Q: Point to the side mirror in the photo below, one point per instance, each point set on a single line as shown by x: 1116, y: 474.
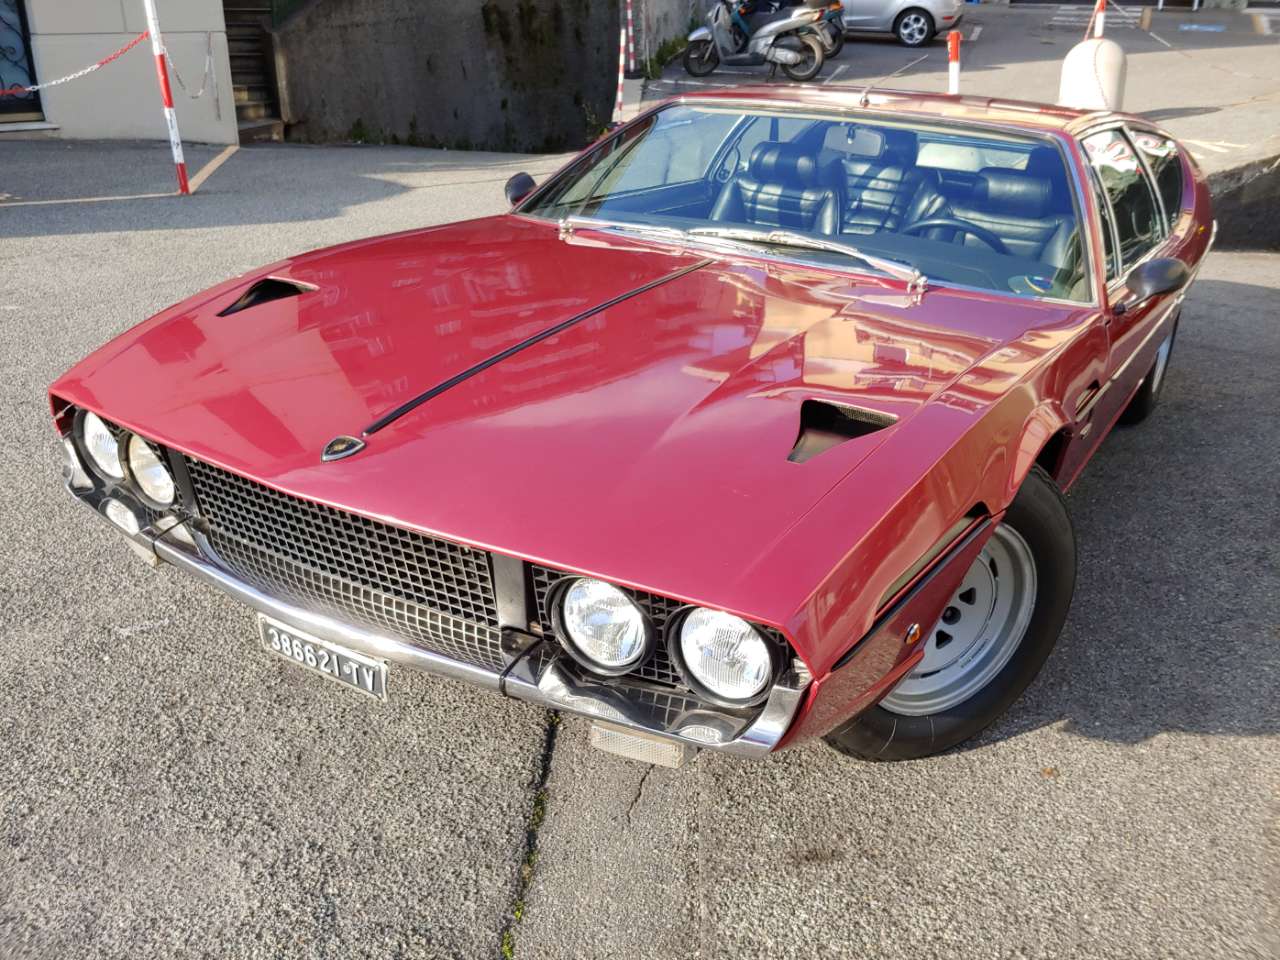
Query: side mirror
x: 1154, y: 278
x: 519, y: 187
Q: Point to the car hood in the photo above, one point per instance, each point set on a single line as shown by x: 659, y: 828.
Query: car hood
x: 648, y: 442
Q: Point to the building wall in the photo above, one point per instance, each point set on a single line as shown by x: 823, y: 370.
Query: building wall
x: 122, y: 100
x: 521, y: 75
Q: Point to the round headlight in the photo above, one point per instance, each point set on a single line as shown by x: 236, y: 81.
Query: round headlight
x: 605, y: 629
x: 150, y: 473
x: 100, y: 443
x: 725, y: 654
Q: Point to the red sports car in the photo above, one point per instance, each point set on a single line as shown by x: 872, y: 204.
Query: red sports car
x: 750, y: 425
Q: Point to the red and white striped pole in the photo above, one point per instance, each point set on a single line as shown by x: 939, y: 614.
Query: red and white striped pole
x: 622, y: 67
x: 953, y: 62
x: 631, y: 41
x: 166, y: 95
x: 1099, y: 17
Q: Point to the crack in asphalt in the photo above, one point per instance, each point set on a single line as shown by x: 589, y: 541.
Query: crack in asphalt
x: 639, y: 790
x: 537, y: 813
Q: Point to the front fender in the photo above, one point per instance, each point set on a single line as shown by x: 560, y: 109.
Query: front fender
x: 702, y: 33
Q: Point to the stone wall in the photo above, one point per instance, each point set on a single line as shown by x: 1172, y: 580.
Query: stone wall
x: 519, y: 75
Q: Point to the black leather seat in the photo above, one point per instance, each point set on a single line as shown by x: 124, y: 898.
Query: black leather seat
x: 883, y: 188
x: 1018, y: 208
x: 784, y: 186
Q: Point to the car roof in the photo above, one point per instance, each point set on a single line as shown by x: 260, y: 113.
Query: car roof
x: 917, y: 103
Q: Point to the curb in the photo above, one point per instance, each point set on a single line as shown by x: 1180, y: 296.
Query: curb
x: 1246, y: 202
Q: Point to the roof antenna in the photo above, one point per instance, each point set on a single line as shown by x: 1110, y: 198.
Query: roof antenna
x: 866, y: 91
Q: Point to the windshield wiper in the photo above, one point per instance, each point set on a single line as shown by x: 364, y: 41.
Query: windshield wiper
x: 916, y: 281
x: 567, y: 225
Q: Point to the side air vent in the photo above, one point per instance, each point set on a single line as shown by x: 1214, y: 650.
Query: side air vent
x: 824, y: 425
x: 264, y: 291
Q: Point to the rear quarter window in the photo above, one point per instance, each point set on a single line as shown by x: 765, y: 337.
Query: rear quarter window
x: 1165, y: 162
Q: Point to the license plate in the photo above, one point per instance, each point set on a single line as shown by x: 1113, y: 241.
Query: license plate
x: 355, y: 670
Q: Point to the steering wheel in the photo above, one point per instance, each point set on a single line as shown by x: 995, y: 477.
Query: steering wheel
x: 972, y: 229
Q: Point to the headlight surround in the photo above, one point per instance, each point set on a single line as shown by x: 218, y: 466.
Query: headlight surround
x: 100, y: 444
x: 723, y: 657
x: 600, y: 626
x: 151, y: 474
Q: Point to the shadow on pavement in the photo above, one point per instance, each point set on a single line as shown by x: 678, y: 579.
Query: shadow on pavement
x: 1175, y: 624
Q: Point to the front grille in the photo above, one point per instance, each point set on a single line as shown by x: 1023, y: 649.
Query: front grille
x: 431, y: 592
x: 658, y: 668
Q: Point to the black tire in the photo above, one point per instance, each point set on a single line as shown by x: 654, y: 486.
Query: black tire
x: 1039, y: 514
x: 812, y: 61
x: 906, y: 27
x: 701, y: 58
x: 837, y: 45
x: 1148, y: 395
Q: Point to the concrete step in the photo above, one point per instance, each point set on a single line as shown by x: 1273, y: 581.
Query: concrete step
x: 252, y: 93
x: 262, y: 131
x: 255, y: 110
x: 246, y: 46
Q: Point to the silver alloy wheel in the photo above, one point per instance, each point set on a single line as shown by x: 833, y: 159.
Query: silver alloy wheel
x: 979, y: 631
x: 913, y: 29
x: 1162, y: 363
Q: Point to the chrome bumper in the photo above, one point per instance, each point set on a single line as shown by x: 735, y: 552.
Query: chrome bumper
x: 534, y: 675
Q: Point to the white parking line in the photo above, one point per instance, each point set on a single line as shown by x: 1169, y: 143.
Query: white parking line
x: 835, y: 73
x: 974, y: 34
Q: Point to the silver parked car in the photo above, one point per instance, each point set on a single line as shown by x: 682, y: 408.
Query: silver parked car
x: 913, y: 22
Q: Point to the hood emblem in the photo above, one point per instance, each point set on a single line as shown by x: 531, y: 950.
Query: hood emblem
x: 341, y: 447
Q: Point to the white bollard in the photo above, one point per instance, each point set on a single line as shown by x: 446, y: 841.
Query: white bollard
x: 953, y: 63
x: 1093, y: 76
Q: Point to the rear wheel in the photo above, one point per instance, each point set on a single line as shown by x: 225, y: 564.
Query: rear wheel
x: 700, y: 58
x: 993, y: 637
x: 914, y: 27
x: 811, y: 60
x: 1148, y: 395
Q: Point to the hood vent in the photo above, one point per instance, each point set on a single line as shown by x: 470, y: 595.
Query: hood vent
x: 824, y: 425
x: 266, y: 290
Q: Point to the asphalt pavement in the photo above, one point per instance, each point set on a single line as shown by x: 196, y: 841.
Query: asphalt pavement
x: 167, y: 789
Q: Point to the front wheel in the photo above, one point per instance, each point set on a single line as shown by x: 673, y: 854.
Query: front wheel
x: 914, y: 27
x: 700, y: 58
x: 811, y: 60
x: 836, y: 45
x: 994, y: 636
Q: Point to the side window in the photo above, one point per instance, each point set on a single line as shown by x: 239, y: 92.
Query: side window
x: 1133, y: 202
x: 1166, y: 166
x: 677, y: 150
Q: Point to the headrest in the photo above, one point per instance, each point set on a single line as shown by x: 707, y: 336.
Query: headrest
x: 786, y: 163
x: 1012, y: 192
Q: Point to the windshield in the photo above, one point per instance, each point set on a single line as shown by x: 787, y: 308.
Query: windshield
x: 972, y: 208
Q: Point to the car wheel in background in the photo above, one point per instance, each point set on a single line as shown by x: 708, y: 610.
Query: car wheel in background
x: 994, y: 636
x: 1148, y: 395
x: 700, y: 58
x: 914, y: 27
x: 811, y: 60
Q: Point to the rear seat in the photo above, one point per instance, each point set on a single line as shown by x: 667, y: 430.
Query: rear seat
x: 883, y: 188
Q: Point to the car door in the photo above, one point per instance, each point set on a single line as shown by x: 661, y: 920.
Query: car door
x: 869, y: 14
x: 1135, y: 230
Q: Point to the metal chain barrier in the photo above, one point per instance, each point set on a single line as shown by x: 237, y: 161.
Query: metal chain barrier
x: 19, y: 91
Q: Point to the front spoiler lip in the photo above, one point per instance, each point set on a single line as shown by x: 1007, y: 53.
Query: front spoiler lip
x: 533, y: 676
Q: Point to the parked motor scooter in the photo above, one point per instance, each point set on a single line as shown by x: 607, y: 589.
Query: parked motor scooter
x: 787, y: 41
x: 829, y: 29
